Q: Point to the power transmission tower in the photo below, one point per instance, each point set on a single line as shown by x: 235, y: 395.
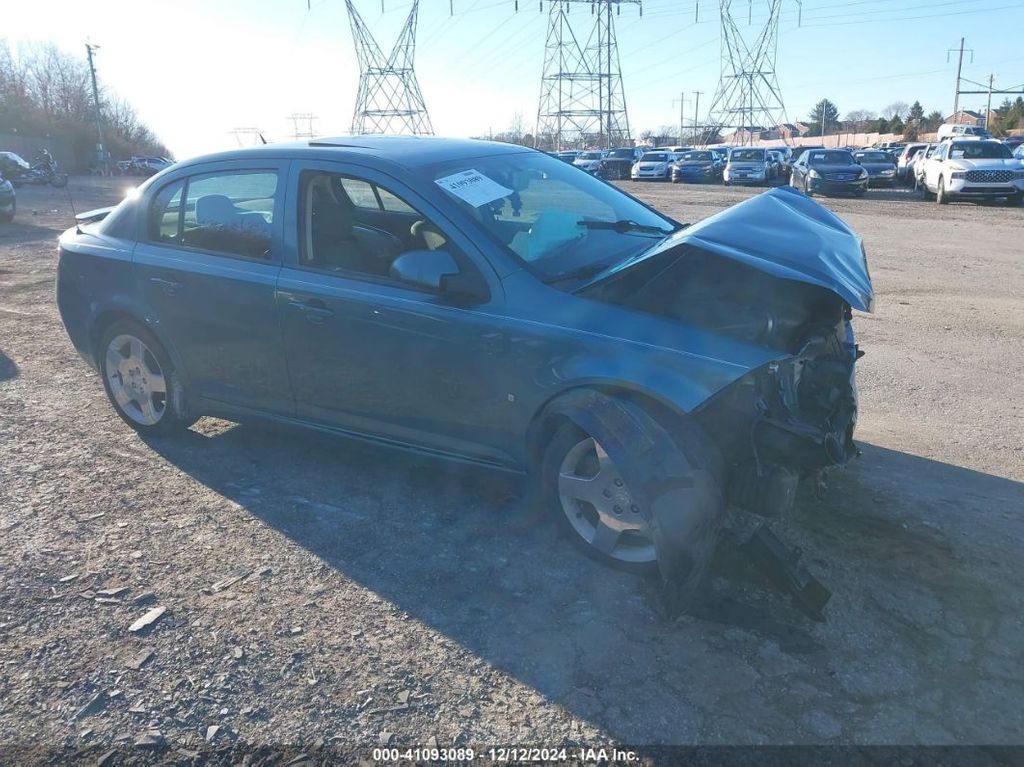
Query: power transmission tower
x: 295, y: 117
x: 748, y: 98
x: 582, y: 101
x: 389, y: 98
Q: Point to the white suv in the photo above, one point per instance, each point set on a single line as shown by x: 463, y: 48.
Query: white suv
x: 969, y: 168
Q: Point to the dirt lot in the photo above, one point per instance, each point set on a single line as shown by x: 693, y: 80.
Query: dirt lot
x: 394, y: 599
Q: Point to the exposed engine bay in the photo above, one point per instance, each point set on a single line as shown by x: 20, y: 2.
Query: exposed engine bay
x: 783, y: 421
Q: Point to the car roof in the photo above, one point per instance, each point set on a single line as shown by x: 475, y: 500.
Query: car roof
x: 404, y: 151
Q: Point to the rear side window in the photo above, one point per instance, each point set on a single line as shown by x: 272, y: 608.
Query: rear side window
x: 230, y: 213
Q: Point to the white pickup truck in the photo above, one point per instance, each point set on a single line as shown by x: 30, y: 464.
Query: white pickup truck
x: 973, y: 169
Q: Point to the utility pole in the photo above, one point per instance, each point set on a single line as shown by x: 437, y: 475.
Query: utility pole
x: 696, y: 113
x: 101, y: 155
x: 988, y: 108
x: 682, y: 103
x: 959, y: 70
x: 824, y: 106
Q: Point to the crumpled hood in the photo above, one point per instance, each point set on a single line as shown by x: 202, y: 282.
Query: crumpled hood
x: 786, y: 234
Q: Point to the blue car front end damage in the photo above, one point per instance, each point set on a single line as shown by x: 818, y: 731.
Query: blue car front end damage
x: 780, y: 275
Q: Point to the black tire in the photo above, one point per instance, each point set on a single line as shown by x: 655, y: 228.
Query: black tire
x: 942, y: 196
x: 807, y: 187
x: 59, y: 180
x: 9, y: 217
x: 174, y: 415
x: 1015, y: 200
x: 860, y: 193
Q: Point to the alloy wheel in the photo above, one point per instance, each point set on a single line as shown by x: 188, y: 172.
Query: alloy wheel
x: 137, y: 381
x: 594, y: 498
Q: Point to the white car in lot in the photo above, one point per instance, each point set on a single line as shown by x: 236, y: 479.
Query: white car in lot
x: 589, y: 161
x: 653, y: 165
x: 747, y: 165
x: 973, y: 169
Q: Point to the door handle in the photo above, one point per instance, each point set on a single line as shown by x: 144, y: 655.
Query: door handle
x: 314, y: 309
x: 170, y: 286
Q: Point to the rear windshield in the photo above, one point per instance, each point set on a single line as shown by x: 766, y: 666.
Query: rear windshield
x: 622, y: 153
x: 979, y: 150
x: 747, y: 155
x: 873, y: 157
x: 654, y: 157
x: 830, y: 158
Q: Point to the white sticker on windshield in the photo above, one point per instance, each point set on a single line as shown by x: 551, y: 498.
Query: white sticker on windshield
x: 473, y: 187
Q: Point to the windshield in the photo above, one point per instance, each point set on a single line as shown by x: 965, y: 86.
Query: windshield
x: 979, y: 150
x: 873, y: 157
x: 830, y: 158
x: 698, y: 157
x: 548, y: 215
x: 589, y: 156
x: 621, y: 154
x: 654, y: 157
x: 747, y: 155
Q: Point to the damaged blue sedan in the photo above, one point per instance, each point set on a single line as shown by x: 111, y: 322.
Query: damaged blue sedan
x: 488, y: 303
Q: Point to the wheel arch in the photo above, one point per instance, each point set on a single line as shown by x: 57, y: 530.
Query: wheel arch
x: 549, y: 417
x: 106, y: 316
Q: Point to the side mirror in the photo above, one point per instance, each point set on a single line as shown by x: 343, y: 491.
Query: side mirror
x: 438, y: 272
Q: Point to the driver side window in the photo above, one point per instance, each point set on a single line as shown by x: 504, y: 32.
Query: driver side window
x: 353, y: 226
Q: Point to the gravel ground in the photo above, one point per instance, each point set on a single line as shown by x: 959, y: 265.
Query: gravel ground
x: 318, y: 590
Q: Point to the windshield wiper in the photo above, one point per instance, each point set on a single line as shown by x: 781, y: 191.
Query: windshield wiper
x: 623, y: 226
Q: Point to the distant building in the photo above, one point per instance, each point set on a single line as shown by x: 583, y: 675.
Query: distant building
x: 969, y: 117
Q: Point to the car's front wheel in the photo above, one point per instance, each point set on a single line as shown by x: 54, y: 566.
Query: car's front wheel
x: 807, y: 187
x: 942, y: 196
x: 140, y: 380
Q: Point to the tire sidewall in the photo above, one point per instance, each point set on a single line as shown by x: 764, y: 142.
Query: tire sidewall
x: 173, y: 420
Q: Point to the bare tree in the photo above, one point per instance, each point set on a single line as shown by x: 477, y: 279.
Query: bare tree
x: 896, y: 109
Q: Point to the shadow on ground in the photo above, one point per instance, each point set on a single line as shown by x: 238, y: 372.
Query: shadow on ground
x: 457, y: 549
x: 8, y: 369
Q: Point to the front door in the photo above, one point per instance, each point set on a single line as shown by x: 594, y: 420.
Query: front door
x: 368, y: 353
x: 208, y: 265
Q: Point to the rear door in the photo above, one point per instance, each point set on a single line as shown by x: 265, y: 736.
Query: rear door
x: 207, y: 265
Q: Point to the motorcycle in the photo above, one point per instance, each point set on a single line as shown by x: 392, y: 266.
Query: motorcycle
x: 43, y: 170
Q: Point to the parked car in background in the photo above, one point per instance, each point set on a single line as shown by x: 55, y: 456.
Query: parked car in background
x: 774, y: 164
x: 590, y: 161
x: 905, y: 161
x: 829, y: 171
x: 917, y: 166
x: 973, y: 169
x: 558, y: 327
x: 1013, y: 142
x: 8, y: 200
x: 881, y: 166
x: 653, y: 165
x: 567, y: 155
x: 149, y: 166
x: 785, y: 157
x: 618, y: 163
x: 948, y: 131
x: 696, y: 166
x: 747, y: 165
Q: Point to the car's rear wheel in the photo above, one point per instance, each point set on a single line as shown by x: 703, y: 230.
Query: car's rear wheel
x: 140, y: 380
